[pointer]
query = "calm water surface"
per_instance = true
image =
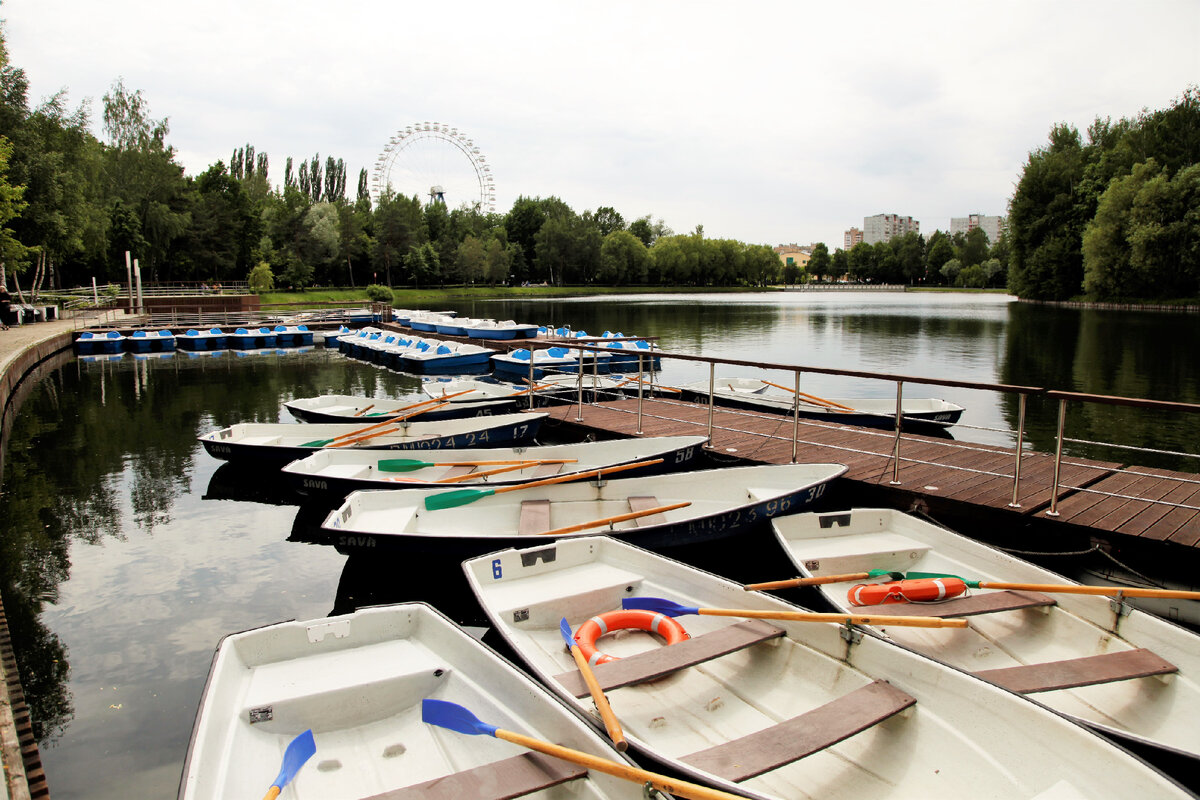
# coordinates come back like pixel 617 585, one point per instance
pixel 127 552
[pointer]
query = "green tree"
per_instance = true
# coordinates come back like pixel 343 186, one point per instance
pixel 938 251
pixel 820 264
pixel 623 259
pixel 951 270
pixel 12 252
pixel 261 279
pixel 974 249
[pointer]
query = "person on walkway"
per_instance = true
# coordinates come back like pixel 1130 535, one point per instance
pixel 5 306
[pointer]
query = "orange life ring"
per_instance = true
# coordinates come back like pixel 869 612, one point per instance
pixel 916 590
pixel 632 619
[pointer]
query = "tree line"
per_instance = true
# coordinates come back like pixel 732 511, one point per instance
pixel 71 205
pixel 1115 217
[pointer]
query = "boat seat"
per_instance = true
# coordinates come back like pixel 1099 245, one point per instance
pixel 1119 665
pixel 812 731
pixel 964 606
pixel 457 471
pixel 653 664
pixel 501 780
pixel 644 504
pixel 535 517
pixel 861 552
pixel 546 471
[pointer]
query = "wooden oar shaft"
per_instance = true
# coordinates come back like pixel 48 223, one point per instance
pixel 611 724
pixel 679 788
pixel 362 411
pixel 818 400
pixel 857 619
pixel 578 476
pixel 823 579
pixel 484 473
pixel 596 523
pixel 380 430
pixel 272 793
pixel 1175 594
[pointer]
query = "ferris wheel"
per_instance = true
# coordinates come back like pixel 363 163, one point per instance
pixel 437 163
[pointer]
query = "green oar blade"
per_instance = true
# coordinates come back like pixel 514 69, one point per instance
pixel 458 497
pixel 317 443
pixel 402 464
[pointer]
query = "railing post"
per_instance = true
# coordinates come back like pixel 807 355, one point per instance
pixel 641 384
pixel 895 481
pixel 712 378
pixel 796 419
pixel 1058 451
pixel 579 417
pixel 1020 441
pixel 531 371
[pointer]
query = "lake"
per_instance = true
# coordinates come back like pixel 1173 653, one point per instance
pixel 127 552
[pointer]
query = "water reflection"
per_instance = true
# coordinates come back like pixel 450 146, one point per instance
pixel 127 555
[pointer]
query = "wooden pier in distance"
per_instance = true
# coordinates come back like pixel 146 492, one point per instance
pixel 933 471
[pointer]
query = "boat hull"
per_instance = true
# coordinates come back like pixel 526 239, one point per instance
pixel 1159 712
pixel 347 409
pixel 263 444
pixel 333 475
pixel 358 682
pixel 774 709
pixel 721 507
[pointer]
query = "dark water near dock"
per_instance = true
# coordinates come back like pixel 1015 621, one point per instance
pixel 126 552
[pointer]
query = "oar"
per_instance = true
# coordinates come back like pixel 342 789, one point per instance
pixel 611 724
pixel 412 464
pixel 1063 588
pixel 596 523
pixel 823 579
pixel 819 400
pixel 460 720
pixel 324 442
pixel 460 497
pixel 660 606
pixel 484 473
pixel 531 389
pixel 442 399
pixel 362 411
pixel 1049 588
pixel 298 751
pixel 394 421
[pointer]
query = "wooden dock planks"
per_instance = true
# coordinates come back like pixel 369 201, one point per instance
pixel 1093 494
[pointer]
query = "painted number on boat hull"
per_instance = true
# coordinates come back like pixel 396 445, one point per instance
pixel 497 572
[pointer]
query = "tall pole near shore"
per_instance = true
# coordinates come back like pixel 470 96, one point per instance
pixel 129 279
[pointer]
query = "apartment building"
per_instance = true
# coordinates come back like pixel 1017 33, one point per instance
pixel 852 237
pixel 883 227
pixel 994 227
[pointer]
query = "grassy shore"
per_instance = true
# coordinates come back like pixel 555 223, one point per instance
pixel 426 297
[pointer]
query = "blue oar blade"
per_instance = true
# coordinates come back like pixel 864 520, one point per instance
pixel 658 605
pixel 454 717
pixel 568 637
pixel 299 751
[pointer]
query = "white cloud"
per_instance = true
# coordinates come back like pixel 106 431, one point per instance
pixel 767 122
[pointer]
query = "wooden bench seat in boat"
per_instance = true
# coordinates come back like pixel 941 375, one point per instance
pixel 1119 665
pixel 837 555
pixel 808 733
pixel 500 780
pixel 535 517
pixel 964 606
pixel 546 471
pixel 644 504
pixel 653 664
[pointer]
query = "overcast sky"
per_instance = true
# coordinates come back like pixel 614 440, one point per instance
pixel 767 122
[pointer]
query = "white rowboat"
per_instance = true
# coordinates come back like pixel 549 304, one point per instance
pixel 358 681
pixel 719 503
pixel 784 710
pixel 1140 672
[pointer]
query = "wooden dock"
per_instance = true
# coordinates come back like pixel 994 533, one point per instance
pixel 1102 497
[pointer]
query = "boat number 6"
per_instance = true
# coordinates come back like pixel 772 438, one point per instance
pixel 496 572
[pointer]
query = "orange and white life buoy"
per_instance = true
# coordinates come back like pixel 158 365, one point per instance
pixel 916 590
pixel 632 619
